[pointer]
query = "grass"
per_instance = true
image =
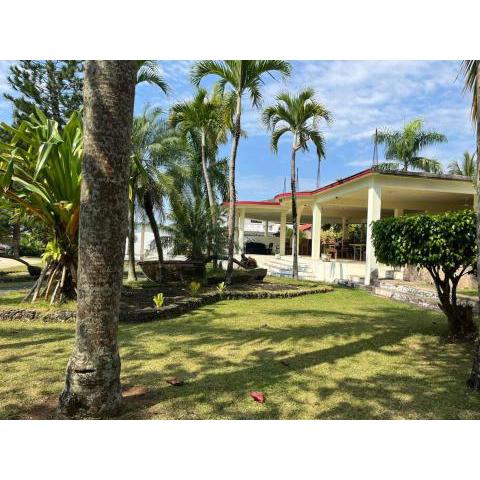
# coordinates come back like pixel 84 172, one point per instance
pixel 345 355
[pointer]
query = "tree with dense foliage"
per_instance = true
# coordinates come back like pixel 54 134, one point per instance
pixel 92 385
pixel 299 115
pixel 467 167
pixel 444 245
pixel 40 173
pixel 52 86
pixel 402 148
pixel 206 116
pixel 242 77
pixel 470 71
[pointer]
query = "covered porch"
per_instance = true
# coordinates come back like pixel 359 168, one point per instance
pixel 357 200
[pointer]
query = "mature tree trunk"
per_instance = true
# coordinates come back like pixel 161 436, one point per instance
pixel 132 274
pixel 148 205
pixel 16 239
pixel 92 385
pixel 231 190
pixel 294 212
pixel 474 380
pixel 211 198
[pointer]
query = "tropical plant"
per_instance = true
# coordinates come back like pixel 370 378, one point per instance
pixel 241 77
pixel 470 71
pixel 206 117
pixel 155 149
pixel 194 288
pixel 92 385
pixel 467 167
pixel 40 172
pixel 221 288
pixel 444 245
pixel 158 300
pixel 299 115
pixel 402 148
pixel 148 71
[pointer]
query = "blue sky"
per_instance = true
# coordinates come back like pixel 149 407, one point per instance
pixel 362 95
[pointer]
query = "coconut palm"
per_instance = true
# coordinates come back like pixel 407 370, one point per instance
pixel 40 172
pixel 148 71
pixel 467 167
pixel 402 148
pixel 241 77
pixel 207 117
pixel 299 115
pixel 470 70
pixel 92 385
pixel 155 147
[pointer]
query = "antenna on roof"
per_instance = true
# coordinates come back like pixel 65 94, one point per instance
pixel 284 184
pixel 375 150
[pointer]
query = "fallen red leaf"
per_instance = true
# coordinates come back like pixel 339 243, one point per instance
pixel 258 396
pixel 175 382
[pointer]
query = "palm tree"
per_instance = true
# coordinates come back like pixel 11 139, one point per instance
pixel 470 70
pixel 402 148
pixel 299 115
pixel 206 117
pixel 92 385
pixel 241 76
pixel 148 71
pixel 467 167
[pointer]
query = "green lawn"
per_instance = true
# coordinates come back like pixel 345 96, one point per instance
pixel 346 355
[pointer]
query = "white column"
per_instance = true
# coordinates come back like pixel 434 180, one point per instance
pixel 373 213
pixel 241 231
pixel 398 212
pixel 266 228
pixel 283 227
pixel 299 219
pixel 316 230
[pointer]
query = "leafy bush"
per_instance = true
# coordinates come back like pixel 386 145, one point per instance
pixel 31 245
pixel 158 300
pixel 221 287
pixel 443 244
pixel 194 288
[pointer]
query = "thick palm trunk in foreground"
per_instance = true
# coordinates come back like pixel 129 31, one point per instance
pixel 474 380
pixel 232 193
pixel 294 215
pixel 92 385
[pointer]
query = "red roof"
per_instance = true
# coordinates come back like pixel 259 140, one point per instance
pixel 278 197
pixel 305 226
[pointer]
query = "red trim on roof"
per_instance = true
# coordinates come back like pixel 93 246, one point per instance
pixel 307 193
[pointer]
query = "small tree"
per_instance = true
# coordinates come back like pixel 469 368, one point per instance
pixel 444 244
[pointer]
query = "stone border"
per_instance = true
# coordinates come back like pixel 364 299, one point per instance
pixel 182 306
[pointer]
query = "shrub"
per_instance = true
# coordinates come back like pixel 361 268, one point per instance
pixel 443 244
pixel 158 300
pixel 221 287
pixel 194 288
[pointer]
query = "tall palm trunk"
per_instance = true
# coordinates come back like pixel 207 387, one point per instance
pixel 474 380
pixel 148 205
pixel 231 189
pixel 294 212
pixel 92 385
pixel 132 274
pixel 211 200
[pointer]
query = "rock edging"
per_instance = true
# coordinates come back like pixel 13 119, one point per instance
pixel 180 307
